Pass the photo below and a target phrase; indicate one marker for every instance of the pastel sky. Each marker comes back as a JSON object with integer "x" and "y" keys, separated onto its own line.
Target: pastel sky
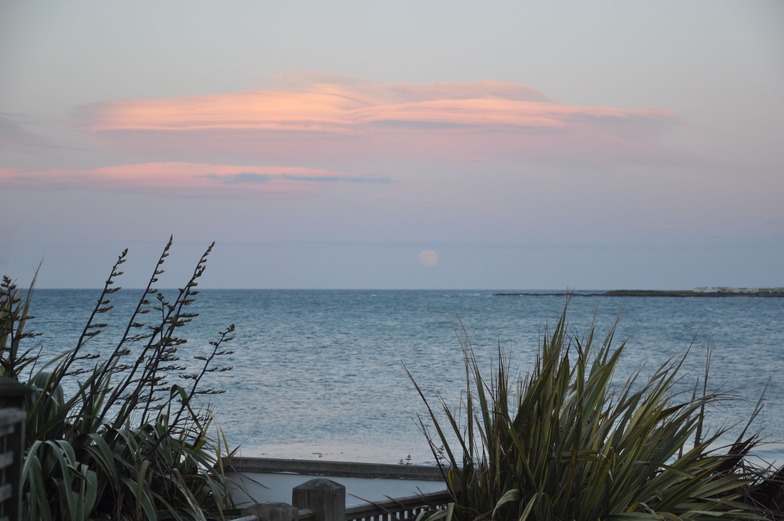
{"x": 406, "y": 144}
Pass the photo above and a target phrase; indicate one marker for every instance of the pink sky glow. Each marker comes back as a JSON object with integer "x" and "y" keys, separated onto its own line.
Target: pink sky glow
{"x": 539, "y": 145}
{"x": 482, "y": 119}
{"x": 185, "y": 179}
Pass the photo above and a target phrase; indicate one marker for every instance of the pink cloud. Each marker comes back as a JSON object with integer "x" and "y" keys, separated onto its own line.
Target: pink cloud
{"x": 185, "y": 179}
{"x": 337, "y": 119}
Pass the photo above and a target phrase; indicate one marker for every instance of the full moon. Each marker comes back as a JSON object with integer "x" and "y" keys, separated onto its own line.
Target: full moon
{"x": 428, "y": 258}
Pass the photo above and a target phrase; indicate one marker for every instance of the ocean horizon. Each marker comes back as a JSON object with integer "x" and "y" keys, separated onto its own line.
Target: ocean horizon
{"x": 322, "y": 373}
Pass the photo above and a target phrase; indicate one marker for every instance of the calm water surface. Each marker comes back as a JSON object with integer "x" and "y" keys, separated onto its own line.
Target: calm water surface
{"x": 321, "y": 373}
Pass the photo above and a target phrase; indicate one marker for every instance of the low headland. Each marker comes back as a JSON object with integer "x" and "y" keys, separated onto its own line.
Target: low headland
{"x": 696, "y": 292}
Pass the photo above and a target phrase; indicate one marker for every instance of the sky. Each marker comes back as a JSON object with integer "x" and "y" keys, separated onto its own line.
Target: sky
{"x": 394, "y": 144}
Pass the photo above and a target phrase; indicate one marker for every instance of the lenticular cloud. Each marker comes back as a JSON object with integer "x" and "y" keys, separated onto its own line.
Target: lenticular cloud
{"x": 302, "y": 137}
{"x": 185, "y": 179}
{"x": 339, "y": 119}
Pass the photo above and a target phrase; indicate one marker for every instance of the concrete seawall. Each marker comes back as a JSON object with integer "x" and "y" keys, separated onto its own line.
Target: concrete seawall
{"x": 257, "y": 480}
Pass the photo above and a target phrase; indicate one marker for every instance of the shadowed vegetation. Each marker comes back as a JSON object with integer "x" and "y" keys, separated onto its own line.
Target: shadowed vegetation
{"x": 127, "y": 442}
{"x": 567, "y": 442}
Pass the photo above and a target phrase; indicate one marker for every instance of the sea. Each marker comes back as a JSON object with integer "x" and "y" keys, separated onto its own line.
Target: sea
{"x": 329, "y": 374}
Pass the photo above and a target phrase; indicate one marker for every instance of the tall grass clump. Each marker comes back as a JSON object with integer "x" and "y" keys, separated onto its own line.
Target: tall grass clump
{"x": 113, "y": 433}
{"x": 568, "y": 442}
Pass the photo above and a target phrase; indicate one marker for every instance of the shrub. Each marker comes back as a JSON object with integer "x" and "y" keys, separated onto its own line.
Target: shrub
{"x": 569, "y": 443}
{"x": 129, "y": 442}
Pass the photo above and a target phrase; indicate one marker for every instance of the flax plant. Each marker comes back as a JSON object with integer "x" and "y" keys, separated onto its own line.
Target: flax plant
{"x": 567, "y": 442}
{"x": 14, "y": 313}
{"x": 129, "y": 443}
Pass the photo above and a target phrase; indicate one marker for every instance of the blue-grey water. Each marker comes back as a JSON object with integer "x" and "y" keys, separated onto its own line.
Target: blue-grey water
{"x": 321, "y": 373}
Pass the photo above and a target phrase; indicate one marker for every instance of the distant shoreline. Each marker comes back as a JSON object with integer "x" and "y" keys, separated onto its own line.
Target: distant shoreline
{"x": 700, "y": 292}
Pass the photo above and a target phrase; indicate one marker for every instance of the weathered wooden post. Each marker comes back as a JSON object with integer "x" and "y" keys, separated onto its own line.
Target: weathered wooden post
{"x": 12, "y": 422}
{"x": 324, "y": 497}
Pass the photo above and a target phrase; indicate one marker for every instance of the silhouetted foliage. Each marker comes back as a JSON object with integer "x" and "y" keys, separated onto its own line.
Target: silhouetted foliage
{"x": 129, "y": 443}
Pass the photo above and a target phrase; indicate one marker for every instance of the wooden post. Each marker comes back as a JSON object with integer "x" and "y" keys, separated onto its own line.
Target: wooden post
{"x": 12, "y": 447}
{"x": 324, "y": 497}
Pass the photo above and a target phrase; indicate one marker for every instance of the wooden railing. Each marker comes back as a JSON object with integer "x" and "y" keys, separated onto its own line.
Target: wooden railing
{"x": 322, "y": 499}
{"x": 398, "y": 509}
{"x": 325, "y": 497}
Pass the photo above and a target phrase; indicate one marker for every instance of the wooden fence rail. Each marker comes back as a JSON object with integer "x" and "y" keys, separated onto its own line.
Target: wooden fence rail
{"x": 322, "y": 499}
{"x": 399, "y": 509}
